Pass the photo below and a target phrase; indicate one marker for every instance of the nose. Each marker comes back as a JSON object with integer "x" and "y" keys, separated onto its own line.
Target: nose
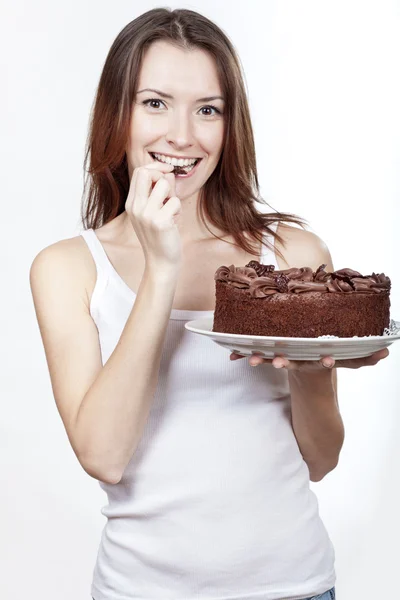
{"x": 179, "y": 132}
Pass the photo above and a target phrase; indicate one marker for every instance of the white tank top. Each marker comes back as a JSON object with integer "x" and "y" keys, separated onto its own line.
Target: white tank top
{"x": 215, "y": 503}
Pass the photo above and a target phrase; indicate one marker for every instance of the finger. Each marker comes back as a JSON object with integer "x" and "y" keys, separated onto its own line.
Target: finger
{"x": 328, "y": 362}
{"x": 374, "y": 358}
{"x": 160, "y": 167}
{"x": 143, "y": 184}
{"x": 256, "y": 359}
{"x": 159, "y": 195}
{"x": 366, "y": 361}
{"x": 383, "y": 353}
{"x": 170, "y": 177}
{"x": 235, "y": 356}
{"x": 151, "y": 167}
{"x": 171, "y": 210}
{"x": 356, "y": 363}
{"x": 280, "y": 362}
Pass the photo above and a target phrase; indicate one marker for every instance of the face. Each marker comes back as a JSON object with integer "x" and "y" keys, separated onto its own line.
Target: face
{"x": 181, "y": 125}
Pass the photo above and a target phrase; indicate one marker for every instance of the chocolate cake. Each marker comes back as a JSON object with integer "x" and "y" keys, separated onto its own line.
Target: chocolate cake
{"x": 257, "y": 300}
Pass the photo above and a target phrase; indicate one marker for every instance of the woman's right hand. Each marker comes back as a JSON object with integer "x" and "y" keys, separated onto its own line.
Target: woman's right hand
{"x": 154, "y": 214}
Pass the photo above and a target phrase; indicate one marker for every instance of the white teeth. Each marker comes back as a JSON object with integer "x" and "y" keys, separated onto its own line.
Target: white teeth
{"x": 174, "y": 161}
{"x": 188, "y": 169}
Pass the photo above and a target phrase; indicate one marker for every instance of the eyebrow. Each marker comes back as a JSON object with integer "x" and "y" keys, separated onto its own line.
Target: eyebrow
{"x": 164, "y": 95}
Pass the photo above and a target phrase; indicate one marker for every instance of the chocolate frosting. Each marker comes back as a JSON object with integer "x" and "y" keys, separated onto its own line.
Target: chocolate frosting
{"x": 262, "y": 280}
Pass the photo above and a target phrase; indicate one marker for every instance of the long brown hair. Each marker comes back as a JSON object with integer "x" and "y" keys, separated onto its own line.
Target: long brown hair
{"x": 228, "y": 196}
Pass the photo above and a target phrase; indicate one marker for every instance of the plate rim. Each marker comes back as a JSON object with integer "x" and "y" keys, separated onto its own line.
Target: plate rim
{"x": 336, "y": 340}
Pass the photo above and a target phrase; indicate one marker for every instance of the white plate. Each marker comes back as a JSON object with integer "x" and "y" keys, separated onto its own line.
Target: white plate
{"x": 295, "y": 348}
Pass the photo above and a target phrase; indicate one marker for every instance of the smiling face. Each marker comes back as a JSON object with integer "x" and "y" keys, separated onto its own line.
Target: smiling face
{"x": 187, "y": 123}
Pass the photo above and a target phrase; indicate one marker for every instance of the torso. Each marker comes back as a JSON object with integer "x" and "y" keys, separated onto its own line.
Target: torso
{"x": 195, "y": 288}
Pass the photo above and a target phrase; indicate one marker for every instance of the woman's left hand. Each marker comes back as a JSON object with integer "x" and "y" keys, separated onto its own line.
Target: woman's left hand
{"x": 326, "y": 362}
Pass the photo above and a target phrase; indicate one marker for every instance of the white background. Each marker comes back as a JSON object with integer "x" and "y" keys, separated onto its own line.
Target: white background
{"x": 323, "y": 83}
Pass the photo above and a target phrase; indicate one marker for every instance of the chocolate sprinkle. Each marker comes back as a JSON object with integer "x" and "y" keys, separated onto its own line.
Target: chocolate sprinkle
{"x": 260, "y": 269}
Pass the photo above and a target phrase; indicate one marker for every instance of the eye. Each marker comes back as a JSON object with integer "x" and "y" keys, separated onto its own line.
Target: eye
{"x": 157, "y": 100}
{"x": 211, "y": 107}
{"x": 147, "y": 102}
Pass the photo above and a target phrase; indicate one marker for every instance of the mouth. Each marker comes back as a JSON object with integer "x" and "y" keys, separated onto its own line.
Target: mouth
{"x": 181, "y": 172}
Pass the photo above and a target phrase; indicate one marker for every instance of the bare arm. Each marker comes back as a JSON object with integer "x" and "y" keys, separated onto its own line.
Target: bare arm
{"x": 103, "y": 408}
{"x": 114, "y": 411}
{"x": 316, "y": 420}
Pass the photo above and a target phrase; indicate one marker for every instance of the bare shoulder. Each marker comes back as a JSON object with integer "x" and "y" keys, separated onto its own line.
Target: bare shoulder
{"x": 70, "y": 262}
{"x": 301, "y": 248}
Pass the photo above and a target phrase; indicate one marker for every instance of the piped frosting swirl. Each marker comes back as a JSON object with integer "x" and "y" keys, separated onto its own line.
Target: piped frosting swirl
{"x": 262, "y": 280}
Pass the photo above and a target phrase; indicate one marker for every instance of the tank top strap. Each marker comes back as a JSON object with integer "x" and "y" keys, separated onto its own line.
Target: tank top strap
{"x": 267, "y": 254}
{"x": 99, "y": 254}
{"x": 102, "y": 263}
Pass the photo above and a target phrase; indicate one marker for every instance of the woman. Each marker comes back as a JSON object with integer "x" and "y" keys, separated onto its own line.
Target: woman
{"x": 206, "y": 462}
